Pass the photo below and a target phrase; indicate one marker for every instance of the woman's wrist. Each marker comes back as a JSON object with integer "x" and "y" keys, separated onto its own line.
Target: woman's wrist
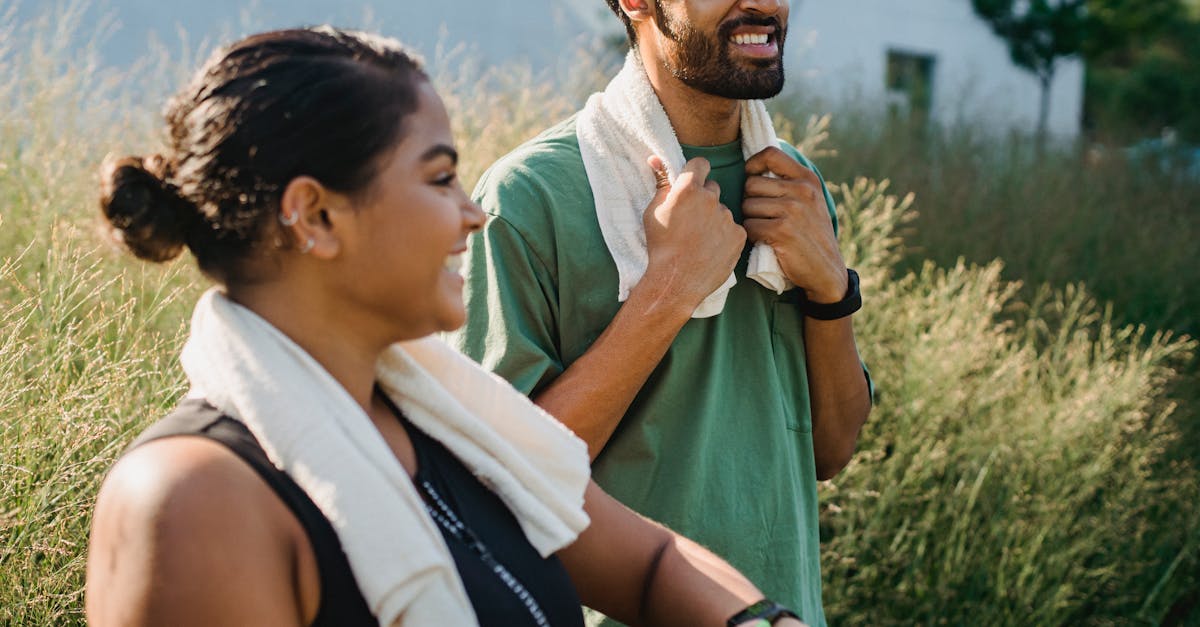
{"x": 764, "y": 613}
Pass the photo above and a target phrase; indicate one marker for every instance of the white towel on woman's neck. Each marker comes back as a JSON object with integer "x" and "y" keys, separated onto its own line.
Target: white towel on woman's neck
{"x": 312, "y": 429}
{"x": 618, "y": 130}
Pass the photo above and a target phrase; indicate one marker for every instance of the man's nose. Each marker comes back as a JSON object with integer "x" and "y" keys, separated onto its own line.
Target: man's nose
{"x": 765, "y": 7}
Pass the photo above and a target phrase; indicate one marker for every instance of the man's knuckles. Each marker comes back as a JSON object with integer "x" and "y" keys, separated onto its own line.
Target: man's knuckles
{"x": 686, "y": 180}
{"x": 762, "y": 186}
{"x": 772, "y": 159}
{"x": 688, "y": 184}
{"x": 780, "y": 163}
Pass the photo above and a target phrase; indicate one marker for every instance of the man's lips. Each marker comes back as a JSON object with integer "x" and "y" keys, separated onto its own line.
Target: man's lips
{"x": 755, "y": 44}
{"x": 755, "y": 40}
{"x": 750, "y": 39}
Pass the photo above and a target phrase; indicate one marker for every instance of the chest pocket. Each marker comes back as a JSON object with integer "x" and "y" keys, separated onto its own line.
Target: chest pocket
{"x": 787, "y": 342}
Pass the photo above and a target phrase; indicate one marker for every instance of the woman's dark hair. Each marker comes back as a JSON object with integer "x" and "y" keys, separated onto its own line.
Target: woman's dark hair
{"x": 317, "y": 102}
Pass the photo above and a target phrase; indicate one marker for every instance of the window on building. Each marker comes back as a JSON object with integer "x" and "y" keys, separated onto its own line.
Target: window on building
{"x": 910, "y": 85}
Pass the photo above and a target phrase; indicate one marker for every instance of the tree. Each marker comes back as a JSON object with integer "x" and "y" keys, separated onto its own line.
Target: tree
{"x": 1040, "y": 33}
{"x": 1138, "y": 91}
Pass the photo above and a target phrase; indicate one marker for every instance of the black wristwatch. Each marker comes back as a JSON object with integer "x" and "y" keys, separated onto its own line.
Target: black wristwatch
{"x": 849, "y": 304}
{"x": 765, "y": 610}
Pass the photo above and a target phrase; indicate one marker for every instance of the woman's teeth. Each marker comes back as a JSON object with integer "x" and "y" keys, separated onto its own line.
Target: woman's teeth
{"x": 750, "y": 39}
{"x": 453, "y": 263}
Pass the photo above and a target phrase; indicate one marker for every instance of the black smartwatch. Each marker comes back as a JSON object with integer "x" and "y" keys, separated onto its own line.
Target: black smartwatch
{"x": 765, "y": 610}
{"x": 849, "y": 304}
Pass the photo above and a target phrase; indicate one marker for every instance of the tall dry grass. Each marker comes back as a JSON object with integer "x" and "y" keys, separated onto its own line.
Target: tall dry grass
{"x": 86, "y": 355}
{"x": 1080, "y": 213}
{"x": 1018, "y": 467}
{"x": 1016, "y": 471}
{"x": 1080, "y": 218}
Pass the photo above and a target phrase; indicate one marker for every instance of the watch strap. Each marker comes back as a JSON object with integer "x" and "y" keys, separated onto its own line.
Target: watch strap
{"x": 849, "y": 304}
{"x": 765, "y": 610}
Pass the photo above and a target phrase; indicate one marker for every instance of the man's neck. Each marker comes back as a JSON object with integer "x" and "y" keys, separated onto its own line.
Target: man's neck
{"x": 699, "y": 119}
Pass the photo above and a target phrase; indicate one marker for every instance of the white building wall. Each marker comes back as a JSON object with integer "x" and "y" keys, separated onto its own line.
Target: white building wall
{"x": 839, "y": 48}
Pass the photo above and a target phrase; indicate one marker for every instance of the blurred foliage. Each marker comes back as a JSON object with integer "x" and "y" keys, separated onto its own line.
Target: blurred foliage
{"x": 1149, "y": 85}
{"x": 1040, "y": 33}
{"x": 1020, "y": 467}
{"x": 1126, "y": 229}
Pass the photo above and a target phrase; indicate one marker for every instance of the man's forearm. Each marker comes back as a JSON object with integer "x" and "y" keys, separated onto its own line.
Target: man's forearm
{"x": 839, "y": 395}
{"x": 592, "y": 395}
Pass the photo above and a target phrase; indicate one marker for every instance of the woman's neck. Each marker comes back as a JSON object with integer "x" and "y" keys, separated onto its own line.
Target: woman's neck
{"x": 344, "y": 349}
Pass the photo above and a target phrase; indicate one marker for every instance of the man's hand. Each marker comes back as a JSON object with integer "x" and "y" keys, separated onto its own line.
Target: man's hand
{"x": 789, "y": 214}
{"x": 693, "y": 244}
{"x": 691, "y": 237}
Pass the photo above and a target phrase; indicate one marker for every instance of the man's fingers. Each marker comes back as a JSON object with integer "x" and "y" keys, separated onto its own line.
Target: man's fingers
{"x": 698, "y": 168}
{"x": 759, "y": 230}
{"x": 809, "y": 193}
{"x": 662, "y": 180}
{"x": 765, "y": 187}
{"x": 693, "y": 172}
{"x": 769, "y": 231}
{"x": 779, "y": 163}
{"x": 763, "y": 208}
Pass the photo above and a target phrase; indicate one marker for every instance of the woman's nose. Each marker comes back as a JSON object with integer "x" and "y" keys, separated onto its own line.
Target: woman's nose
{"x": 473, "y": 216}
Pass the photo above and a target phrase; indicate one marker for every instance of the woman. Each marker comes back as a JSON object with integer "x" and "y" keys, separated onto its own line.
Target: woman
{"x": 334, "y": 464}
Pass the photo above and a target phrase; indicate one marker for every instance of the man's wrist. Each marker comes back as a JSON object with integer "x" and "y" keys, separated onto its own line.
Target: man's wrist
{"x": 850, "y": 302}
{"x": 657, "y": 298}
{"x": 832, "y": 292}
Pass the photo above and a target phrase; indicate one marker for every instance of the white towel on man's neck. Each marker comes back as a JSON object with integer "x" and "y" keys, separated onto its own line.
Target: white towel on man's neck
{"x": 311, "y": 428}
{"x": 618, "y": 130}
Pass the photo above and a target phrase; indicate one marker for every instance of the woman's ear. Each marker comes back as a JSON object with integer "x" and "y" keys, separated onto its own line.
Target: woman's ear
{"x": 304, "y": 214}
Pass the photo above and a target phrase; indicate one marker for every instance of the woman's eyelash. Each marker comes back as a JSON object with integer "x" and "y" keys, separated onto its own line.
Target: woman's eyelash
{"x": 445, "y": 179}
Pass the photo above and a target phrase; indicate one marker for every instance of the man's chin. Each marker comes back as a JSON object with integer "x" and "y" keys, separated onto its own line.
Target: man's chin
{"x": 742, "y": 91}
{"x": 767, "y": 83}
{"x": 769, "y": 63}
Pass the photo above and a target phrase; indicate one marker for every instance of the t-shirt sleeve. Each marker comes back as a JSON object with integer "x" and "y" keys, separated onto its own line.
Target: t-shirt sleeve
{"x": 510, "y": 294}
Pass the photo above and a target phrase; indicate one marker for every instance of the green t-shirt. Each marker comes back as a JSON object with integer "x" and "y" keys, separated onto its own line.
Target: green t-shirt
{"x": 718, "y": 443}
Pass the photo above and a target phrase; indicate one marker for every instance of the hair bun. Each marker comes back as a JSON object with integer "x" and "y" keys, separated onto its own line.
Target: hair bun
{"x": 146, "y": 214}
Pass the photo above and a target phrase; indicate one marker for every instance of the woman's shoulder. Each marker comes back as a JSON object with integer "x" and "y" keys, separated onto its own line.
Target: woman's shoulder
{"x": 190, "y": 510}
{"x": 179, "y": 492}
{"x": 187, "y": 472}
{"x": 181, "y": 476}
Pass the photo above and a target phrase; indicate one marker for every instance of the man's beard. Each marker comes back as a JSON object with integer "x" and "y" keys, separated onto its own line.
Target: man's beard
{"x": 703, "y": 62}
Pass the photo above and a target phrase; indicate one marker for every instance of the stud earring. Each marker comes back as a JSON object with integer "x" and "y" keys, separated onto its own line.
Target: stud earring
{"x": 308, "y": 246}
{"x": 287, "y": 220}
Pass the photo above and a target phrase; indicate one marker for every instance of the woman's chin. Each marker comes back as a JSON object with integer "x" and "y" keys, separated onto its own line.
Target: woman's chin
{"x": 453, "y": 320}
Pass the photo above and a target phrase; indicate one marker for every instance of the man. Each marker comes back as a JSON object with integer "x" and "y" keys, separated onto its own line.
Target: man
{"x": 720, "y": 425}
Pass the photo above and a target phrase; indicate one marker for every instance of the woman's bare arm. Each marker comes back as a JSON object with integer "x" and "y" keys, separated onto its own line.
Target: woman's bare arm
{"x": 184, "y": 533}
{"x": 642, "y": 573}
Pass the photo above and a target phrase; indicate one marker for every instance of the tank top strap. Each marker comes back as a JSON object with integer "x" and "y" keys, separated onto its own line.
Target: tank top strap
{"x": 341, "y": 602}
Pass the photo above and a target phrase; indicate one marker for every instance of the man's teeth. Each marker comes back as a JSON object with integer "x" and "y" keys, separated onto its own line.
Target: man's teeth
{"x": 453, "y": 263}
{"x": 751, "y": 39}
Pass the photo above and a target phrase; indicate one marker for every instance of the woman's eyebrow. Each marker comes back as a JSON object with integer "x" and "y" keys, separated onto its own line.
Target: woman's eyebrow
{"x": 438, "y": 151}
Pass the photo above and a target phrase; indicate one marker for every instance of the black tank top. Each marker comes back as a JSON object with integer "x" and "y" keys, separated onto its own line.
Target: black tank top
{"x": 342, "y": 603}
